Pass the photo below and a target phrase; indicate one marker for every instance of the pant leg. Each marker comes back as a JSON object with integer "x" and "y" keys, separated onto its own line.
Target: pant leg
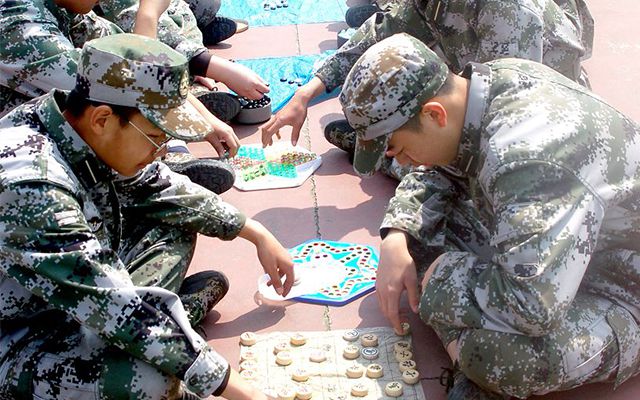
{"x": 585, "y": 348}
{"x": 204, "y": 10}
{"x": 157, "y": 256}
{"x": 54, "y": 358}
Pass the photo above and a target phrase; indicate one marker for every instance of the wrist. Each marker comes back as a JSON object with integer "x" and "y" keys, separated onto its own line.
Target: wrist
{"x": 253, "y": 231}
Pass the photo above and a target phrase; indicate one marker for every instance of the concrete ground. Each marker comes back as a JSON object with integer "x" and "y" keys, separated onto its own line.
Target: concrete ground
{"x": 337, "y": 205}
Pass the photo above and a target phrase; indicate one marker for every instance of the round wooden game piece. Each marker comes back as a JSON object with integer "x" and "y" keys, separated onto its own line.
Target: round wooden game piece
{"x": 351, "y": 336}
{"x": 359, "y": 389}
{"x": 369, "y": 340}
{"x": 406, "y": 328}
{"x": 338, "y": 396}
{"x": 248, "y": 339}
{"x": 249, "y": 374}
{"x": 375, "y": 371}
{"x": 401, "y": 345}
{"x": 393, "y": 389}
{"x": 287, "y": 392}
{"x": 370, "y": 353}
{"x": 355, "y": 371}
{"x": 318, "y": 356}
{"x": 300, "y": 375}
{"x": 351, "y": 352}
{"x": 411, "y": 377}
{"x": 248, "y": 355}
{"x": 406, "y": 365}
{"x": 304, "y": 392}
{"x": 282, "y": 346}
{"x": 297, "y": 280}
{"x": 403, "y": 355}
{"x": 283, "y": 358}
{"x": 298, "y": 339}
{"x": 249, "y": 364}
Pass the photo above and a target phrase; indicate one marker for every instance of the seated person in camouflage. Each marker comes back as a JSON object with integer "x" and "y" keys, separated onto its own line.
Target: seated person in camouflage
{"x": 531, "y": 255}
{"x": 42, "y": 39}
{"x": 97, "y": 237}
{"x": 460, "y": 31}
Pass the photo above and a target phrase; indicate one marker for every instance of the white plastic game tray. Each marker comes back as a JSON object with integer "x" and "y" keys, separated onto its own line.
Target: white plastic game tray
{"x": 279, "y": 166}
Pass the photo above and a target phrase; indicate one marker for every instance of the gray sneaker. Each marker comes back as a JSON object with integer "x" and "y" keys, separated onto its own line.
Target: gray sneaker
{"x": 224, "y": 106}
{"x": 209, "y": 173}
{"x": 340, "y": 134}
{"x": 200, "y": 292}
{"x": 355, "y": 16}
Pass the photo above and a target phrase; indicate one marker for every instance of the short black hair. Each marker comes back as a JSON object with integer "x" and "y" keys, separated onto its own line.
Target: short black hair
{"x": 77, "y": 102}
{"x": 413, "y": 124}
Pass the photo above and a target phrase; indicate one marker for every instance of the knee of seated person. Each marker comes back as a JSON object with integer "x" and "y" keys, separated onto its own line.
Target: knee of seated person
{"x": 509, "y": 364}
{"x": 142, "y": 380}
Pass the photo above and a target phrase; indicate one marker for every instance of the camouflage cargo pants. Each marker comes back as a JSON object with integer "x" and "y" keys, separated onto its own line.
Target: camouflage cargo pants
{"x": 598, "y": 340}
{"x": 52, "y": 357}
{"x": 204, "y": 10}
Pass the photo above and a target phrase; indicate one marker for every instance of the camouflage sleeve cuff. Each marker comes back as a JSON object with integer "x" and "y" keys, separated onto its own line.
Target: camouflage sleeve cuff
{"x": 207, "y": 374}
{"x": 329, "y": 73}
{"x": 199, "y": 64}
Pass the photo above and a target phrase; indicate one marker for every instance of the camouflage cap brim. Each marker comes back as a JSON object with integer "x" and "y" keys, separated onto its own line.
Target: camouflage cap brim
{"x": 183, "y": 122}
{"x": 369, "y": 154}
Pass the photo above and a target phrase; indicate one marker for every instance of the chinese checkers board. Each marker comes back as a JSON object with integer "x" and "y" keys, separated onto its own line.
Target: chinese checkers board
{"x": 363, "y": 363}
{"x": 279, "y": 166}
{"x": 329, "y": 273}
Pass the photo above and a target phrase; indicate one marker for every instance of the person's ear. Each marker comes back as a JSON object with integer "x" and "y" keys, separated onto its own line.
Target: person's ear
{"x": 99, "y": 118}
{"x": 435, "y": 112}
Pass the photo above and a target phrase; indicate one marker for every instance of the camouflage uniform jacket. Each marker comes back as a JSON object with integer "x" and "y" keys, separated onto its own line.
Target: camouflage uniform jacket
{"x": 461, "y": 31}
{"x": 555, "y": 174}
{"x": 62, "y": 216}
{"x": 33, "y": 63}
{"x": 177, "y": 27}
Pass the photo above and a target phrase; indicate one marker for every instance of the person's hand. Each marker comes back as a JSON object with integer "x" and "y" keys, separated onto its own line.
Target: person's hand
{"x": 206, "y": 82}
{"x": 147, "y": 16}
{"x": 222, "y": 137}
{"x": 237, "y": 77}
{"x": 396, "y": 273}
{"x": 274, "y": 258}
{"x": 293, "y": 113}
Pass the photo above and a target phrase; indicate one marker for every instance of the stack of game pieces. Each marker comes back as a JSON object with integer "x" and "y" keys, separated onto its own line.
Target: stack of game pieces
{"x": 254, "y": 111}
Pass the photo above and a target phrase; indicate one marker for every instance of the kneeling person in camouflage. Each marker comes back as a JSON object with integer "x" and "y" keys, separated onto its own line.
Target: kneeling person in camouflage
{"x": 530, "y": 267}
{"x": 97, "y": 238}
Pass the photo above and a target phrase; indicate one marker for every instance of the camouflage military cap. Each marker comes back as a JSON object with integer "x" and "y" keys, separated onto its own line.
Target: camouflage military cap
{"x": 136, "y": 71}
{"x": 385, "y": 88}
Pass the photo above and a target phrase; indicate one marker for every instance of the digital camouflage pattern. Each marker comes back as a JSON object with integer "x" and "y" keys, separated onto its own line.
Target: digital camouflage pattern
{"x": 538, "y": 221}
{"x": 461, "y": 31}
{"x": 136, "y": 71}
{"x": 372, "y": 109}
{"x": 177, "y": 27}
{"x": 32, "y": 64}
{"x": 102, "y": 256}
{"x": 204, "y": 11}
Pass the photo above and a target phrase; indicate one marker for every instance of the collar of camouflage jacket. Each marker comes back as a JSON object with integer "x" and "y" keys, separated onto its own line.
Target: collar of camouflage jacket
{"x": 83, "y": 161}
{"x": 468, "y": 149}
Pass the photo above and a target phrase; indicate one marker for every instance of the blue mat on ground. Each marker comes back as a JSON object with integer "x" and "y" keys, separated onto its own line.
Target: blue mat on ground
{"x": 295, "y": 71}
{"x": 297, "y": 12}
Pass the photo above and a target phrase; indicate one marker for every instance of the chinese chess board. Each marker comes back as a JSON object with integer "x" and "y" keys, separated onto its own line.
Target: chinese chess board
{"x": 277, "y": 166}
{"x": 356, "y": 264}
{"x": 325, "y": 380}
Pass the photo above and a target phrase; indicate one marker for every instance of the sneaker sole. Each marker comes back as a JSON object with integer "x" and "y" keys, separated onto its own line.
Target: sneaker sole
{"x": 225, "y": 106}
{"x": 200, "y": 172}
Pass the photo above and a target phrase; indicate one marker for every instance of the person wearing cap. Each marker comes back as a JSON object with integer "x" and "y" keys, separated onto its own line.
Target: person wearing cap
{"x": 530, "y": 266}
{"x": 41, "y": 40}
{"x": 97, "y": 237}
{"x": 556, "y": 33}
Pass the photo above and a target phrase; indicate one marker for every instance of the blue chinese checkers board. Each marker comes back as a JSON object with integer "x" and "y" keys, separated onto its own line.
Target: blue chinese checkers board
{"x": 359, "y": 265}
